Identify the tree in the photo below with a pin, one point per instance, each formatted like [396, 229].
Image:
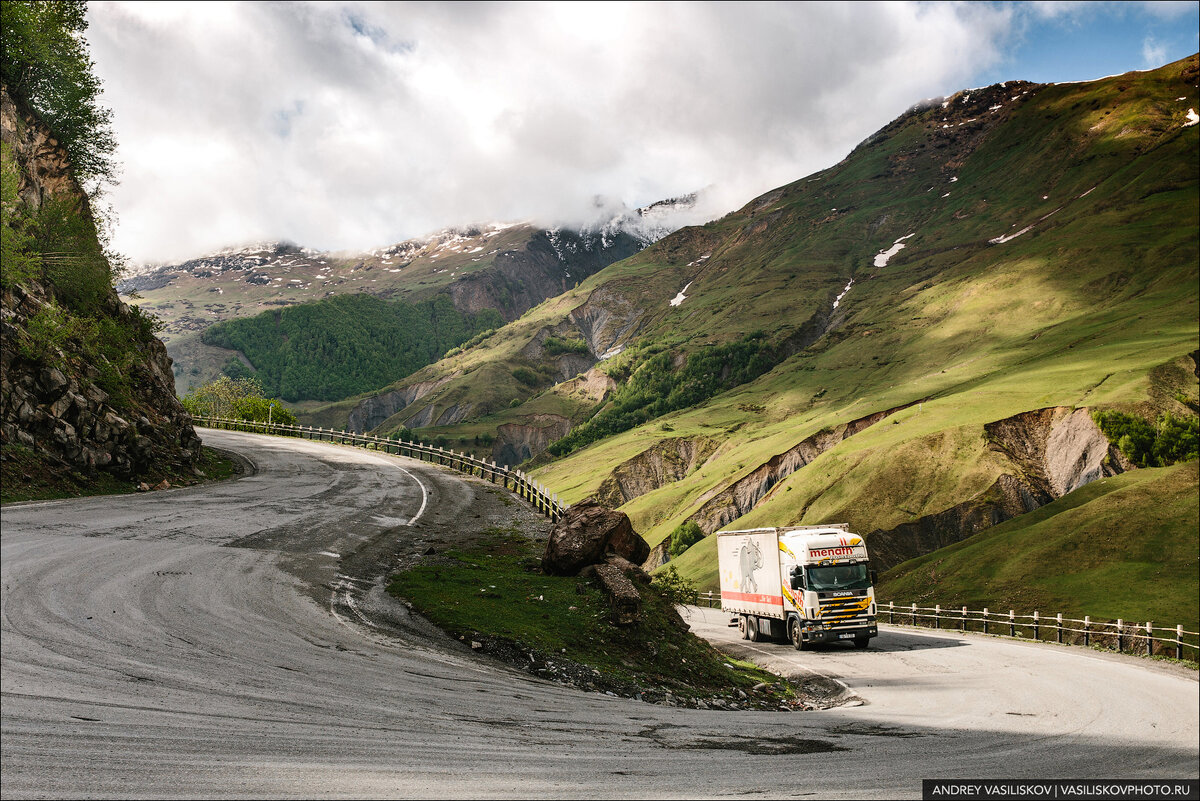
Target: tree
[240, 399]
[45, 64]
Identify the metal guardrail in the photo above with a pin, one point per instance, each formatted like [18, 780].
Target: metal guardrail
[515, 481]
[1133, 638]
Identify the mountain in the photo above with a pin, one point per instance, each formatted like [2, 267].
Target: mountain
[85, 387]
[911, 341]
[507, 267]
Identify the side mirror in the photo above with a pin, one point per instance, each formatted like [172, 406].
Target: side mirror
[874, 577]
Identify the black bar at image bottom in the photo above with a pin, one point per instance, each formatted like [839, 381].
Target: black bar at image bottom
[1174, 789]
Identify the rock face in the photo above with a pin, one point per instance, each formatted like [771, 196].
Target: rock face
[586, 534]
[663, 463]
[518, 442]
[374, 410]
[51, 399]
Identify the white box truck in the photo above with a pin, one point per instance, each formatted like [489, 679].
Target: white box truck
[808, 584]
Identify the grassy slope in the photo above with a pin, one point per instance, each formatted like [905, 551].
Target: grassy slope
[1136, 532]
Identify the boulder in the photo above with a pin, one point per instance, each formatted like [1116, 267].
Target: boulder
[586, 534]
[623, 596]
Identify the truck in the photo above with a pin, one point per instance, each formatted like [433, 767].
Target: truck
[805, 584]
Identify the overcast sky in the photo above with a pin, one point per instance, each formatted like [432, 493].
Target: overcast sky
[351, 125]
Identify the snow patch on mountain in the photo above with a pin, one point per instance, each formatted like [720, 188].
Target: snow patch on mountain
[681, 297]
[884, 256]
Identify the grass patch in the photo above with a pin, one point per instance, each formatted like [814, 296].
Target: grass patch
[30, 476]
[559, 627]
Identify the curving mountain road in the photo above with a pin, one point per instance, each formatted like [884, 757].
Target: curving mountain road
[234, 640]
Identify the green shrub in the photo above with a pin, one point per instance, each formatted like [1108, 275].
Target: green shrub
[674, 587]
[240, 399]
[1178, 439]
[526, 376]
[19, 260]
[557, 346]
[72, 257]
[685, 535]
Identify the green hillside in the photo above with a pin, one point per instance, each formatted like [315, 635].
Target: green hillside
[1049, 262]
[345, 345]
[1138, 531]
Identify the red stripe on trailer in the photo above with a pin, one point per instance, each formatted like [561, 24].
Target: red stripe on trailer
[753, 598]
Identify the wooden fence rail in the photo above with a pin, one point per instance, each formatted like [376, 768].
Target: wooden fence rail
[1120, 635]
[515, 481]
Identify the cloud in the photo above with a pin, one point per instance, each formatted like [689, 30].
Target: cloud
[1153, 53]
[350, 125]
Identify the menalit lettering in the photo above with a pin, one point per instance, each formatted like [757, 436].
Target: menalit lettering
[826, 553]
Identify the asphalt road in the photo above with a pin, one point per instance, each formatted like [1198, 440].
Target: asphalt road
[233, 640]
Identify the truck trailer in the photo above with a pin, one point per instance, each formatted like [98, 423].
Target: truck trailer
[806, 584]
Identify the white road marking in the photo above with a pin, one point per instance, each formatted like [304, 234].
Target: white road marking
[424, 495]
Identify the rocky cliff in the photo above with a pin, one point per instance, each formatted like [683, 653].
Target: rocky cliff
[83, 386]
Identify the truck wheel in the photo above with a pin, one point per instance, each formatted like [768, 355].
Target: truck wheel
[861, 642]
[751, 628]
[795, 635]
[743, 629]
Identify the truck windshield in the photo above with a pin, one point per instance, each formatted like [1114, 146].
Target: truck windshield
[838, 577]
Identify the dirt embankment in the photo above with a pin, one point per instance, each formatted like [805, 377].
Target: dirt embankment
[1052, 451]
[666, 462]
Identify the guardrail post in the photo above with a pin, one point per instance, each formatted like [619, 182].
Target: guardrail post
[1120, 636]
[1149, 638]
[963, 621]
[1012, 623]
[1035, 625]
[1087, 633]
[1058, 625]
[891, 610]
[985, 620]
[1178, 642]
[914, 614]
[937, 616]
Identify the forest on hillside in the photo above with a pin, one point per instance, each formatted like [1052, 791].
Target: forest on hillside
[344, 345]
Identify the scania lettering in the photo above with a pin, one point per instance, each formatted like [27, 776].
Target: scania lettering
[806, 584]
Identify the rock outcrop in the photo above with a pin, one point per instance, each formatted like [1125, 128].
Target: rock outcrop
[600, 545]
[745, 493]
[52, 396]
[518, 442]
[371, 412]
[663, 463]
[550, 263]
